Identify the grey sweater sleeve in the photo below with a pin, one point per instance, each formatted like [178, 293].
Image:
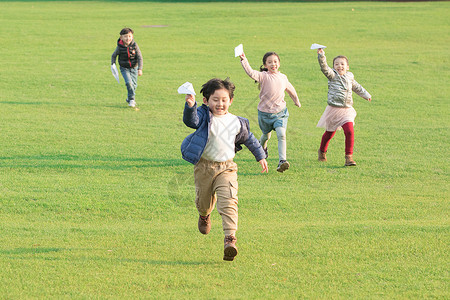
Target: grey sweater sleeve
[326, 70]
[114, 55]
[358, 89]
[139, 58]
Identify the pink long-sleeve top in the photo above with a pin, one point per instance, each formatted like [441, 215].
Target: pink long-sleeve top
[272, 90]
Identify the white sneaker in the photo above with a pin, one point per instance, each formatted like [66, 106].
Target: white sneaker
[132, 103]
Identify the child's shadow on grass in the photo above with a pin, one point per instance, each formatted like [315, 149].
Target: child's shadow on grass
[18, 251]
[331, 168]
[66, 161]
[24, 253]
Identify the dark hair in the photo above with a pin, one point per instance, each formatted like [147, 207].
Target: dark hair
[262, 68]
[126, 30]
[217, 84]
[341, 56]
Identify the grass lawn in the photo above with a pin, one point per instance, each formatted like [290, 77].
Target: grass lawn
[96, 202]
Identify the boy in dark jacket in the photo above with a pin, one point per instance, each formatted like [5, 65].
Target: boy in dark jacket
[211, 148]
[130, 62]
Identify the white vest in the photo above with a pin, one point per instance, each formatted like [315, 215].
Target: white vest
[222, 135]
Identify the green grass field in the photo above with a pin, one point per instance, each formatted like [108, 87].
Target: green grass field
[96, 202]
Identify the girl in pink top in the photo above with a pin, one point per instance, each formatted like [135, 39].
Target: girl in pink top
[272, 110]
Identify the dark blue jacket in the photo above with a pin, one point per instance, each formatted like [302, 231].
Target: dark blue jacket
[194, 144]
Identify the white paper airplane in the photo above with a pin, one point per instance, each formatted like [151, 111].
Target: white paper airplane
[317, 46]
[238, 50]
[115, 72]
[186, 88]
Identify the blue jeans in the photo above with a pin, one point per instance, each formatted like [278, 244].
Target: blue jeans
[130, 76]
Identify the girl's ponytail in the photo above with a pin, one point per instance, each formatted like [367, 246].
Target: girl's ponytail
[261, 69]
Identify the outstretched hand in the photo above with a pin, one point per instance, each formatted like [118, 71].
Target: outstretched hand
[242, 56]
[320, 51]
[265, 167]
[190, 100]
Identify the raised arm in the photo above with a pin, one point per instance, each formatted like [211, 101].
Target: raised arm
[255, 75]
[326, 70]
[190, 116]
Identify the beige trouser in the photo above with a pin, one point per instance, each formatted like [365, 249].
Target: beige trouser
[217, 182]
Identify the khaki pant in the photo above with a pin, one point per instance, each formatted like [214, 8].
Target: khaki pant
[216, 182]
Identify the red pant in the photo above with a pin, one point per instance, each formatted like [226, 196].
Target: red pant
[349, 138]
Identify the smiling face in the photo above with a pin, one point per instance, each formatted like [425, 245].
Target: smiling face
[340, 64]
[219, 102]
[272, 63]
[127, 38]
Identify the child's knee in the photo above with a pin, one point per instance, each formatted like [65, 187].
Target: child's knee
[266, 136]
[205, 204]
[228, 192]
[281, 133]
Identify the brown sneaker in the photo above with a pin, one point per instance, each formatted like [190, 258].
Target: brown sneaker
[349, 161]
[204, 224]
[283, 165]
[322, 156]
[229, 248]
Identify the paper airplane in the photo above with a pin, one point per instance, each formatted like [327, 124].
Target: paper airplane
[317, 46]
[186, 88]
[238, 50]
[115, 72]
